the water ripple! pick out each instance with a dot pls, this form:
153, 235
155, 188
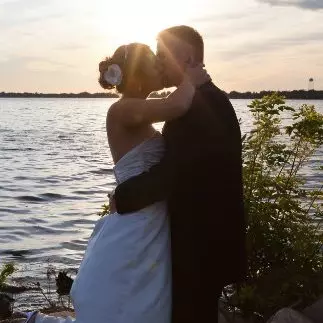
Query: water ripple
18, 253
30, 198
102, 171
4, 210
53, 196
39, 229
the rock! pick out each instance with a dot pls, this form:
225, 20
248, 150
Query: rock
230, 319
6, 303
315, 311
288, 315
18, 320
226, 316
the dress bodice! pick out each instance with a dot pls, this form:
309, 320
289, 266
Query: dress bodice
140, 158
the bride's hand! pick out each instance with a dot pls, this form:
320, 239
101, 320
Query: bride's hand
197, 75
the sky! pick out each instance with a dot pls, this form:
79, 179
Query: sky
54, 46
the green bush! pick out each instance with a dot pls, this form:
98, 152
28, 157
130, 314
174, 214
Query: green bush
285, 263
6, 271
105, 209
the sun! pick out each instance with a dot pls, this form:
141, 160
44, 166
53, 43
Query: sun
129, 21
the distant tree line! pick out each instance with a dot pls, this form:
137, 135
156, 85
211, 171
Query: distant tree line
59, 95
162, 94
295, 95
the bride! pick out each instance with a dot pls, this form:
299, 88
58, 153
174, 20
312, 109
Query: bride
125, 275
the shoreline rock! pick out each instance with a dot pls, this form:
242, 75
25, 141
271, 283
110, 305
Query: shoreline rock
59, 312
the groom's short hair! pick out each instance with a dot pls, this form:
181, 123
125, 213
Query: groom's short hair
188, 35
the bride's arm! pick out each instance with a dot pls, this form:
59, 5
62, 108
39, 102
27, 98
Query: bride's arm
132, 112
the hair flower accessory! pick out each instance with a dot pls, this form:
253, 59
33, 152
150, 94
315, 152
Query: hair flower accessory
113, 75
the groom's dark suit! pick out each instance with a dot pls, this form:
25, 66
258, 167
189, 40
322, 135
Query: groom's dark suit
201, 177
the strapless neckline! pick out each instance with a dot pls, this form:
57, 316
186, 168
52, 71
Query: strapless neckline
135, 148
140, 158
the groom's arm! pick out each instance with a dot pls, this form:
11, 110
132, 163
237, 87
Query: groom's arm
146, 188
184, 145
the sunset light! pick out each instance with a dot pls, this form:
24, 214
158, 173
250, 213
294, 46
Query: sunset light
55, 45
139, 21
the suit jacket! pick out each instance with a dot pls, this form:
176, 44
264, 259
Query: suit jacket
200, 175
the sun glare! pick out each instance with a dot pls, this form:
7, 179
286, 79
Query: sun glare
139, 21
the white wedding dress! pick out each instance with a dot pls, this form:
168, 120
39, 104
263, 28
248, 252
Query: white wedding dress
125, 275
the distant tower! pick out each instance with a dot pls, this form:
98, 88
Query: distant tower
311, 84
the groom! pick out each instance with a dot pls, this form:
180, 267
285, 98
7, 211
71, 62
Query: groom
201, 178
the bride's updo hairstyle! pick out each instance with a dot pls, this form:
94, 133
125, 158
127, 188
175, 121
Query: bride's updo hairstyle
125, 69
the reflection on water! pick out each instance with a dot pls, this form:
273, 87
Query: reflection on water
55, 172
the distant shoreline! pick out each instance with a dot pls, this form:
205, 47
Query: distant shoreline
293, 95
58, 95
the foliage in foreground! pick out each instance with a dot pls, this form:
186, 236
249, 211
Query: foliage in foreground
105, 208
6, 271
285, 265
63, 283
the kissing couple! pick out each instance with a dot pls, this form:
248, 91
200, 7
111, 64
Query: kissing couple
175, 235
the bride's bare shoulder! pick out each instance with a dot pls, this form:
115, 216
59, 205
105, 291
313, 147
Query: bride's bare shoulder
122, 104
126, 110
113, 110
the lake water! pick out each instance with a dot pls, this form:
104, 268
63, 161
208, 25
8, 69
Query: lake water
55, 173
